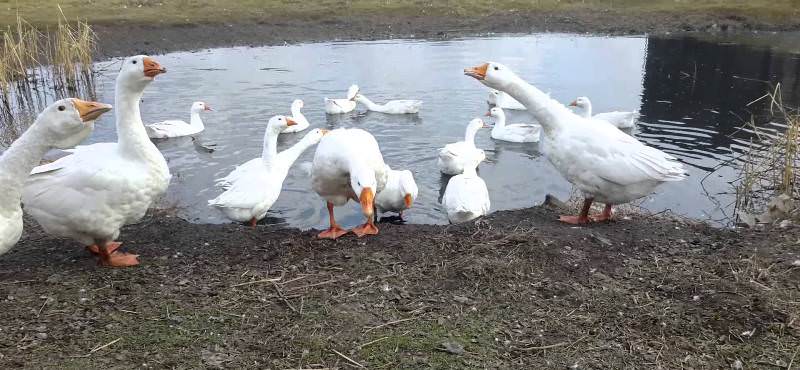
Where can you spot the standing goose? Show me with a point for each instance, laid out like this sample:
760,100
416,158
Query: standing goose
250,196
61,125
392,106
454,156
298,117
620,120
338,106
607,165
89,195
466,196
348,165
398,194
515,132
178,128
502,100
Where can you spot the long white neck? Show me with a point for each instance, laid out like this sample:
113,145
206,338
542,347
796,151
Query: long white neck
587,110
298,116
547,111
500,121
270,150
131,135
364,100
17,162
470,171
195,120
289,156
469,137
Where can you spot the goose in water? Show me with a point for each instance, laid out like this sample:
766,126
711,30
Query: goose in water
392,106
338,106
607,165
177,128
61,125
91,193
298,117
620,120
502,100
454,156
398,194
466,196
348,165
515,132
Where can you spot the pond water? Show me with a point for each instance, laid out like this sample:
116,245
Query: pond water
692,95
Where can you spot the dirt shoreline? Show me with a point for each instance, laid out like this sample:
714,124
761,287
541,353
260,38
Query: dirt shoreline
122,40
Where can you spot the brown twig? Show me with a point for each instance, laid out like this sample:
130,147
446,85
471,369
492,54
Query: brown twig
556,345
388,324
270,280
283,297
312,285
347,358
372,342
99,348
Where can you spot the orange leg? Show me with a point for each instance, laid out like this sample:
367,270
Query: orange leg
368,228
116,258
605,216
111,246
583,218
253,222
335,230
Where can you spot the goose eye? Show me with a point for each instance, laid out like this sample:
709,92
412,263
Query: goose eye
133,62
496,68
61,107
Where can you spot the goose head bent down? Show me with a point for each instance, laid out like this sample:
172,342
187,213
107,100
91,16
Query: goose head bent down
62,125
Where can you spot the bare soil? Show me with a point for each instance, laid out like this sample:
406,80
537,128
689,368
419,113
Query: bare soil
514,290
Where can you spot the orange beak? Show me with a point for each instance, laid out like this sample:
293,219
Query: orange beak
90,110
152,68
290,122
408,200
207,107
366,199
488,114
324,131
574,103
479,72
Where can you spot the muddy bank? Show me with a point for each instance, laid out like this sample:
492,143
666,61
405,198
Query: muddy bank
123,40
514,290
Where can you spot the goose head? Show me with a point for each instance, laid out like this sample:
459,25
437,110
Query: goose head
67,122
477,124
493,75
581,102
279,123
199,106
138,71
495,112
314,136
297,104
364,185
360,98
409,187
352,91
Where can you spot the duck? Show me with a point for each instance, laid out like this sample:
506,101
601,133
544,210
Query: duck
399,193
502,100
301,123
61,125
178,128
604,163
348,164
466,196
454,155
339,106
392,106
621,120
515,132
250,197
91,193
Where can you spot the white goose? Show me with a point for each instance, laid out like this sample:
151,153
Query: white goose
298,117
515,132
338,106
251,196
503,100
454,156
466,196
89,195
178,128
607,165
620,120
399,193
392,106
348,165
62,125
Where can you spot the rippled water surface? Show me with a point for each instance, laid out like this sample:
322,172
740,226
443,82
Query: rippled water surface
692,94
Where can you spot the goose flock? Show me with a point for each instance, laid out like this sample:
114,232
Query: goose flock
89,194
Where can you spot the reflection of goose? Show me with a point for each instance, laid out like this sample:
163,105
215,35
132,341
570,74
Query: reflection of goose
177,128
89,195
618,119
503,100
454,156
515,132
392,106
338,106
466,197
63,124
603,162
298,117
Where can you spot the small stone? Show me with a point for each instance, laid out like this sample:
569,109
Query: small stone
453,347
737,365
785,223
796,263
41,335
696,298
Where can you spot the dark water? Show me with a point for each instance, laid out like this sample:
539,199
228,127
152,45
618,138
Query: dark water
692,94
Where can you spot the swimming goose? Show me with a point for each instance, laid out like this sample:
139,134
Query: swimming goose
178,128
252,195
61,125
453,156
392,106
398,194
503,100
607,165
515,132
298,117
348,165
466,197
90,194
618,119
338,106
